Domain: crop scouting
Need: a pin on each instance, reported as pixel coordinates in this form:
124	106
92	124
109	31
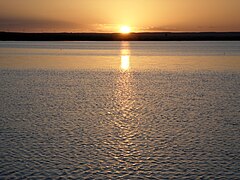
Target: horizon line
140	32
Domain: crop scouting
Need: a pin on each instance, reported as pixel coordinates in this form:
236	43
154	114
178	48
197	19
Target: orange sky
109	15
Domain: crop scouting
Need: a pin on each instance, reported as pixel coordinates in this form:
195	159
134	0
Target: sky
110	15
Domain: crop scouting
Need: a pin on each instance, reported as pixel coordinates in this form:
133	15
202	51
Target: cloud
194	28
159	28
27	24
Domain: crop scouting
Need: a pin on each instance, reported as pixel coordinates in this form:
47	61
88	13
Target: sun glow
125	29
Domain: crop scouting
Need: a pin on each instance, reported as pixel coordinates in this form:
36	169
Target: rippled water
157	116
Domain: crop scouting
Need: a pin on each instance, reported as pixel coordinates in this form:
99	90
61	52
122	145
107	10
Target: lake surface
120	110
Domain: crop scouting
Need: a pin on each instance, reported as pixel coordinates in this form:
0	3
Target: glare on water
125	62
137	56
125	56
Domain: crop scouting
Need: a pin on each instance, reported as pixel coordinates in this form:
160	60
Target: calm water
120	110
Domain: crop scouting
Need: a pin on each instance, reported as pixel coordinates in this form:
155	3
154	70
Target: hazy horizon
107	16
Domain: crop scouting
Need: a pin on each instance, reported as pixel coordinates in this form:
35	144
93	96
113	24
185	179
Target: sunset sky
110	15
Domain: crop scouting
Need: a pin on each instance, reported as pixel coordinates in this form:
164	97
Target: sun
125	29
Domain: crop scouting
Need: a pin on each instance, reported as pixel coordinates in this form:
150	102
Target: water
120	110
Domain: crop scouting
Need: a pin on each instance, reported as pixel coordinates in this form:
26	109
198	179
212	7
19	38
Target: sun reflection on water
125	62
125	124
125	56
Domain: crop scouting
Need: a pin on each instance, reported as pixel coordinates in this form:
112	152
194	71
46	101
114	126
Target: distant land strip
156	36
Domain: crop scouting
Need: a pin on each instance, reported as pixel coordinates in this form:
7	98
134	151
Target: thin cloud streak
36	25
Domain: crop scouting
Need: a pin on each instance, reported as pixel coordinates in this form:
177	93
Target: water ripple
119	125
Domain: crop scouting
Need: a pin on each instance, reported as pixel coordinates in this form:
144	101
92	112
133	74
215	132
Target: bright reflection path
125	62
125	56
125	121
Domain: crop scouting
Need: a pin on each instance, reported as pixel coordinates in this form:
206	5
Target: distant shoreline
146	36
